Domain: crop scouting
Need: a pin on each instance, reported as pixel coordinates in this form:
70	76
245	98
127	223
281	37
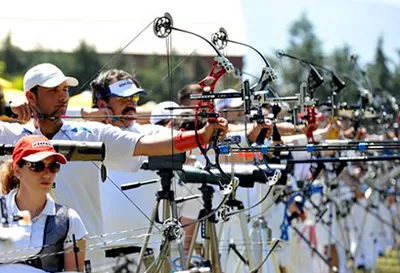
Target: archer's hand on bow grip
296	212
22	111
334	127
256	129
220	125
360	134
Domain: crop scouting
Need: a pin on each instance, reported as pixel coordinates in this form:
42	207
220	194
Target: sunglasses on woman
40	166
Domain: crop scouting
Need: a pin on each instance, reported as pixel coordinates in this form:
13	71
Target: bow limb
208	85
268	75
163	27
252	98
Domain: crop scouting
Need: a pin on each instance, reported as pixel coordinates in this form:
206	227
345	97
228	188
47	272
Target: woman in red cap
47	244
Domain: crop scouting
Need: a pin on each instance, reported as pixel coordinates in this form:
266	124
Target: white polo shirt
77	184
31	242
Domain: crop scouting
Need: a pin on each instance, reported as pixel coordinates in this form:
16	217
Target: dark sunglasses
40	166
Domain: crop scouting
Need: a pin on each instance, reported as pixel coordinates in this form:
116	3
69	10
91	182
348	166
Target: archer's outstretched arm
165	144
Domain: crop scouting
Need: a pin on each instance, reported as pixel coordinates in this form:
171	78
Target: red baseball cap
35	148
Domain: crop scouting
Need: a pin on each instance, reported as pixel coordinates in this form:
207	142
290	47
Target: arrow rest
162	26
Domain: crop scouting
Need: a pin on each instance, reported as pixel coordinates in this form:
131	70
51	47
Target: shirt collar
49	208
64	127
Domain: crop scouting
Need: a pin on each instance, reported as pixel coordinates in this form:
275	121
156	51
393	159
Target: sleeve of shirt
76	227
150	129
12	132
120	146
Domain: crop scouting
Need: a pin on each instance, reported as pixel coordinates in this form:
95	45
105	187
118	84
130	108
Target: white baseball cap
160	112
125	88
228	103
46	75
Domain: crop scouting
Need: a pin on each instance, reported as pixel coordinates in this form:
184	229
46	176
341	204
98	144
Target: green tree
379	72
18	82
199	67
161	86
395	83
119	60
87	63
61	59
15	62
2	67
305	44
338	61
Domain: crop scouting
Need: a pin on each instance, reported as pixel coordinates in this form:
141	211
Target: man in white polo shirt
46	89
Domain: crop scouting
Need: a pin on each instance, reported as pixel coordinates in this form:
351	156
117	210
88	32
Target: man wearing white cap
110	100
46	89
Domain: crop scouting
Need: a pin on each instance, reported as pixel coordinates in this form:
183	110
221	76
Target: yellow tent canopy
13	95
6	84
82	100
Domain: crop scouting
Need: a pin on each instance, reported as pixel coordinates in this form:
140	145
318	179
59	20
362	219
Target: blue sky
355	22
